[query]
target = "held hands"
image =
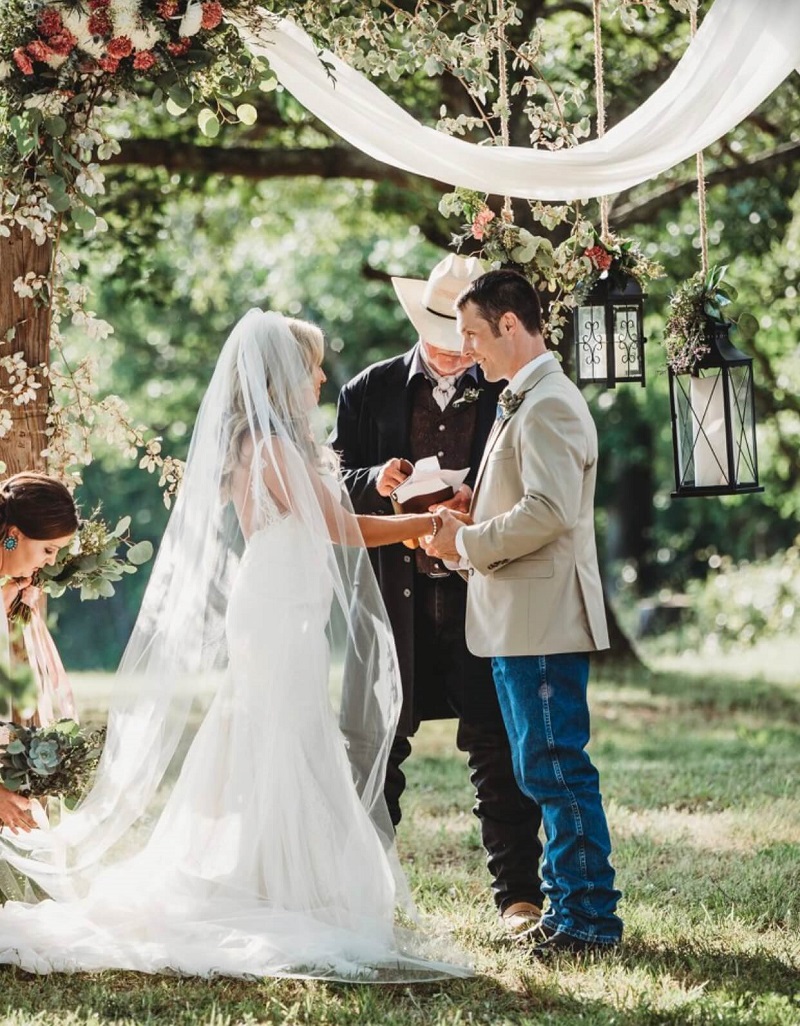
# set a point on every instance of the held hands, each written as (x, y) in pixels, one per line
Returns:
(392, 474)
(443, 544)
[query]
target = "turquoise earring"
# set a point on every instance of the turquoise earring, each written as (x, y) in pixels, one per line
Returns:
(10, 543)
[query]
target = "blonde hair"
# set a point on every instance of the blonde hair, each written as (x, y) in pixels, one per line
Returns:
(310, 340)
(311, 345)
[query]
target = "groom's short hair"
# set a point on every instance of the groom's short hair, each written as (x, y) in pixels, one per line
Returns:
(498, 292)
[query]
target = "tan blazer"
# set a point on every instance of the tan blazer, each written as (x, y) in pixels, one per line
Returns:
(534, 587)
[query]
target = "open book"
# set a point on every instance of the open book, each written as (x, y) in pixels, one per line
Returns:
(426, 485)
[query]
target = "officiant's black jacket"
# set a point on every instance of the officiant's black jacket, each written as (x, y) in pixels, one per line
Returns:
(372, 426)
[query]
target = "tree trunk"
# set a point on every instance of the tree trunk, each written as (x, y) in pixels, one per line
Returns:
(21, 448)
(621, 651)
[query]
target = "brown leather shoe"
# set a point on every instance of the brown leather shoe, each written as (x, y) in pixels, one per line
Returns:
(520, 918)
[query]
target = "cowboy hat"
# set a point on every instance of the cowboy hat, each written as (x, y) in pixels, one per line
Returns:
(429, 305)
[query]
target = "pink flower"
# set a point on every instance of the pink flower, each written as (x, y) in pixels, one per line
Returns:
(100, 24)
(144, 60)
(480, 221)
(179, 49)
(50, 23)
(600, 257)
(39, 50)
(109, 64)
(119, 47)
(212, 14)
(168, 8)
(63, 43)
(22, 61)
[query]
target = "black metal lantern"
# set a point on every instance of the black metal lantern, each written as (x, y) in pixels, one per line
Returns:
(609, 333)
(713, 421)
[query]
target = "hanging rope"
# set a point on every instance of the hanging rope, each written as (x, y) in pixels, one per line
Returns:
(599, 89)
(505, 110)
(701, 178)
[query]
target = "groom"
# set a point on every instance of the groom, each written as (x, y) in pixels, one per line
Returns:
(433, 402)
(534, 600)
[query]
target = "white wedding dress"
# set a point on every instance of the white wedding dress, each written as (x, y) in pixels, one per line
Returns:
(261, 856)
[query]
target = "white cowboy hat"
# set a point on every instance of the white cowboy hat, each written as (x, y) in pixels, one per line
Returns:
(429, 304)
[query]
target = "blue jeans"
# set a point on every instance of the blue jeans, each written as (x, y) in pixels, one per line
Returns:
(544, 706)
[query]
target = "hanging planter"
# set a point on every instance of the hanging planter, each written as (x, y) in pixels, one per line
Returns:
(711, 391)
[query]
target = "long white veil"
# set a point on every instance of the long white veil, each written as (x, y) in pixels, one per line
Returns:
(219, 722)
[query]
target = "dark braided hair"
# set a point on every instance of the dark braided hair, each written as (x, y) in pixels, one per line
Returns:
(40, 506)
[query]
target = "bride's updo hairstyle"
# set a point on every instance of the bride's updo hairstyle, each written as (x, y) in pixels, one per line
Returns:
(38, 505)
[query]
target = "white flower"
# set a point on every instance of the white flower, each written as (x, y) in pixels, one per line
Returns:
(78, 24)
(91, 180)
(50, 104)
(192, 21)
(6, 422)
(5, 70)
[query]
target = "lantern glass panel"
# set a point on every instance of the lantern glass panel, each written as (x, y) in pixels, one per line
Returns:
(591, 343)
(703, 428)
(743, 425)
(627, 343)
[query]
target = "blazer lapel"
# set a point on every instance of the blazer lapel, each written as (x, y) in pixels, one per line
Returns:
(530, 382)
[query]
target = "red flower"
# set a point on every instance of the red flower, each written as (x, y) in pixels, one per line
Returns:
(98, 5)
(50, 22)
(100, 24)
(144, 60)
(179, 49)
(600, 257)
(39, 50)
(63, 43)
(22, 61)
(212, 14)
(168, 8)
(119, 47)
(109, 64)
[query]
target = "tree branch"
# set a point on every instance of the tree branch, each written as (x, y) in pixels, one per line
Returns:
(337, 161)
(647, 209)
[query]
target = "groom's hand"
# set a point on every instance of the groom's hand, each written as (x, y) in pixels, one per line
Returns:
(443, 543)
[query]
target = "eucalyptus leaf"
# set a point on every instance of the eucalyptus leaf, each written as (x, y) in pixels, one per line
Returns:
(208, 122)
(247, 113)
(84, 218)
(55, 126)
(140, 553)
(105, 588)
(122, 527)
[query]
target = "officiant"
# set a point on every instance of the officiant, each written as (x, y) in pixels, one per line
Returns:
(431, 401)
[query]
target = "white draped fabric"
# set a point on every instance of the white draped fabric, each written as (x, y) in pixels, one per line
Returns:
(742, 52)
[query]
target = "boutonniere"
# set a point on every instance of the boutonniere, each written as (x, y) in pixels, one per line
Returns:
(510, 401)
(470, 395)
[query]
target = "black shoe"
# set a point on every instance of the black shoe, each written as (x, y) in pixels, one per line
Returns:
(555, 944)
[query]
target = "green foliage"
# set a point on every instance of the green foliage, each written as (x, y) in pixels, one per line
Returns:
(91, 563)
(742, 603)
(59, 759)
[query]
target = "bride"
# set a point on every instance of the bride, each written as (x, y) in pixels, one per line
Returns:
(236, 825)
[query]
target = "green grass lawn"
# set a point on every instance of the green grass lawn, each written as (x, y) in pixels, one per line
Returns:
(700, 769)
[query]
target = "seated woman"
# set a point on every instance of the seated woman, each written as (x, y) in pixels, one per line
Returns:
(37, 517)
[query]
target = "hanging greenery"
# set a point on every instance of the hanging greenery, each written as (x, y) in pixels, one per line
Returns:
(63, 65)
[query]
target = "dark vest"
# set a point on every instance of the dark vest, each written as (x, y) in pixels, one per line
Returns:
(447, 433)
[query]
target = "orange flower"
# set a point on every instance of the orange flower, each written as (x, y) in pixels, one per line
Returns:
(119, 47)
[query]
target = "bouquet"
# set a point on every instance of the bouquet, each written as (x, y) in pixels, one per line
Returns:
(59, 759)
(90, 564)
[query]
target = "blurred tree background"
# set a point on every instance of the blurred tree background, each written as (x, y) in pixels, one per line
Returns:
(284, 215)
